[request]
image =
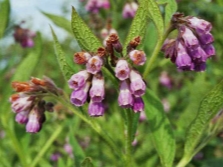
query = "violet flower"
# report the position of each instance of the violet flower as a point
(125, 98)
(122, 70)
(97, 91)
(138, 57)
(94, 64)
(96, 109)
(78, 80)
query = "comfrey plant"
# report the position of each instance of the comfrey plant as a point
(90, 83)
(113, 90)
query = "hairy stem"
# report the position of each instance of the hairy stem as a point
(156, 50)
(129, 120)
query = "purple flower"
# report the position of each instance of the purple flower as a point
(206, 38)
(209, 49)
(198, 55)
(190, 39)
(55, 156)
(122, 70)
(129, 10)
(93, 6)
(138, 57)
(125, 98)
(78, 80)
(96, 109)
(79, 97)
(97, 91)
(33, 125)
(200, 25)
(183, 60)
(165, 80)
(138, 105)
(94, 64)
(137, 85)
(22, 117)
(21, 104)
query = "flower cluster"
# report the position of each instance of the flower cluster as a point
(90, 84)
(94, 6)
(24, 36)
(28, 103)
(193, 45)
(129, 10)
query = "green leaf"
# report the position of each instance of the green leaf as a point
(87, 162)
(160, 128)
(77, 150)
(26, 68)
(139, 23)
(59, 21)
(155, 15)
(4, 16)
(64, 67)
(85, 38)
(209, 107)
(170, 9)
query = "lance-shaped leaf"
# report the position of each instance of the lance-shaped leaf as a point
(139, 23)
(170, 9)
(85, 38)
(161, 132)
(4, 15)
(209, 107)
(64, 67)
(59, 21)
(155, 15)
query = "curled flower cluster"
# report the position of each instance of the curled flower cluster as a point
(90, 84)
(28, 103)
(94, 6)
(129, 10)
(24, 37)
(193, 45)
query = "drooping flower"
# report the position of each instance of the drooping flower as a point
(138, 105)
(94, 6)
(137, 85)
(78, 80)
(122, 70)
(96, 109)
(97, 91)
(125, 98)
(94, 64)
(28, 103)
(193, 45)
(138, 57)
(79, 97)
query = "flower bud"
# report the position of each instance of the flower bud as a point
(138, 105)
(81, 57)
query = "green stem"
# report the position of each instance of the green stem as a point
(46, 146)
(183, 162)
(156, 50)
(129, 121)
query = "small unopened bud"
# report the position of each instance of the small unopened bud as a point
(115, 42)
(21, 86)
(38, 81)
(135, 42)
(101, 52)
(49, 106)
(81, 57)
